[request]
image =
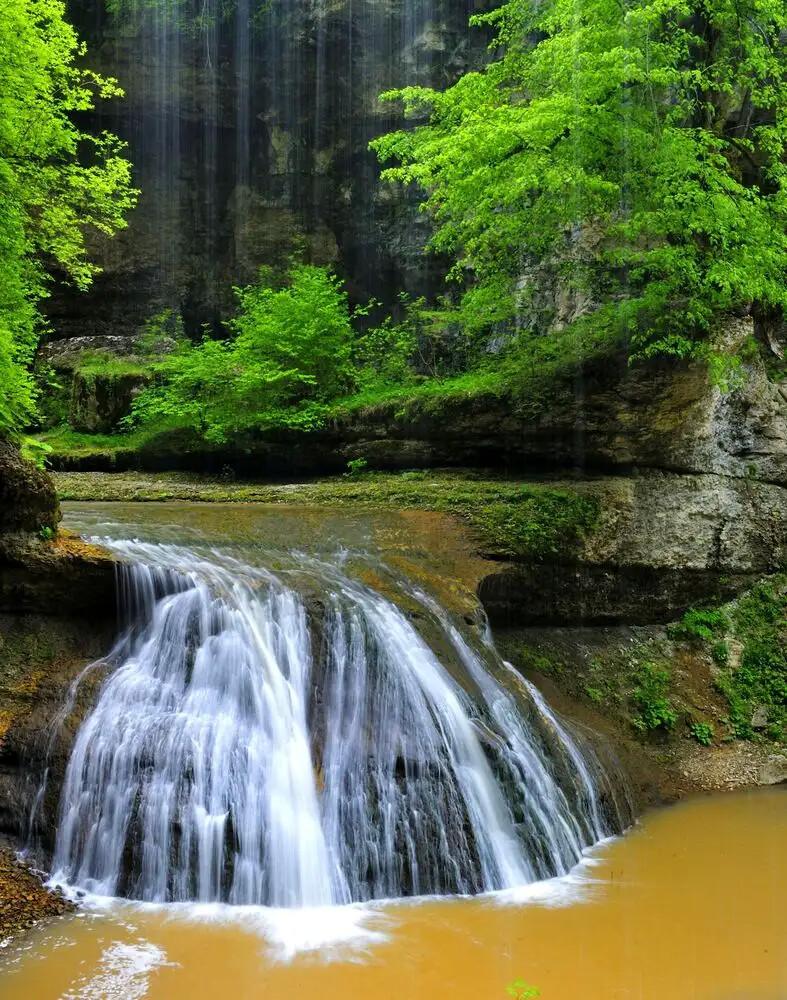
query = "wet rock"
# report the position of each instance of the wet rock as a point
(774, 770)
(57, 577)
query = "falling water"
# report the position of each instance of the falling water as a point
(248, 124)
(254, 745)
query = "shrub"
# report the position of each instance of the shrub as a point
(288, 355)
(655, 711)
(702, 732)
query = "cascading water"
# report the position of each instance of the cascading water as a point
(254, 746)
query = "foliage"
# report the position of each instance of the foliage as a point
(705, 624)
(650, 698)
(382, 354)
(702, 732)
(634, 150)
(520, 990)
(756, 681)
(58, 184)
(356, 466)
(34, 451)
(759, 680)
(287, 357)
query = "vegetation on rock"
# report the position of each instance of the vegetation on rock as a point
(748, 642)
(636, 151)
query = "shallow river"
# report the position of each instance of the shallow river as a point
(689, 905)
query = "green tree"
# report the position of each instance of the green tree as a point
(57, 182)
(638, 146)
(287, 357)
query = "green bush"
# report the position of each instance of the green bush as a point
(287, 356)
(705, 624)
(650, 698)
(702, 732)
(356, 466)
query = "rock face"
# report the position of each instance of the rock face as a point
(662, 543)
(248, 125)
(57, 614)
(99, 402)
(27, 495)
(40, 657)
(93, 398)
(610, 417)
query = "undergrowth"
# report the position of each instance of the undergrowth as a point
(748, 642)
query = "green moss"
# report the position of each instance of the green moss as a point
(509, 519)
(65, 442)
(92, 364)
(537, 524)
(535, 661)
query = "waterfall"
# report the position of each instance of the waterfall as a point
(254, 745)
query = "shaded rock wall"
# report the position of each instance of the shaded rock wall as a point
(663, 542)
(248, 124)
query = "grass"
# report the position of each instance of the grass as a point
(64, 441)
(105, 363)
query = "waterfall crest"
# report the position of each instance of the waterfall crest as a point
(253, 746)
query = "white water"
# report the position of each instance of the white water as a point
(253, 747)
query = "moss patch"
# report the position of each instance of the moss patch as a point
(509, 518)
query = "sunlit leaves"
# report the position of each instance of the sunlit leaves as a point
(288, 355)
(56, 183)
(653, 130)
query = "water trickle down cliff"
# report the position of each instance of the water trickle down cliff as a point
(248, 125)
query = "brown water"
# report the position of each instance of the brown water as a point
(690, 905)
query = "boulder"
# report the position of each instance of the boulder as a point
(28, 502)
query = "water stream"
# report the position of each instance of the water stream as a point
(292, 738)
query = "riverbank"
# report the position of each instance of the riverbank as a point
(24, 899)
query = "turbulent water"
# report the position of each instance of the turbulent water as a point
(258, 742)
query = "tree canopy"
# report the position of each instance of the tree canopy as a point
(57, 182)
(638, 146)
